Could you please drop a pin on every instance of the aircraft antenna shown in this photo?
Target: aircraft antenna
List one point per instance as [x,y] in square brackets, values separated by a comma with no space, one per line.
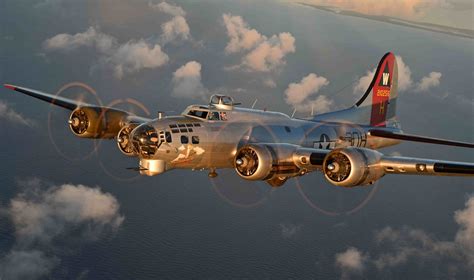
[293,114]
[255,102]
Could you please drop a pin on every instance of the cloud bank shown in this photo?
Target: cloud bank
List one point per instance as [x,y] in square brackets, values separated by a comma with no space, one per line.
[126,58]
[409,245]
[43,218]
[261,54]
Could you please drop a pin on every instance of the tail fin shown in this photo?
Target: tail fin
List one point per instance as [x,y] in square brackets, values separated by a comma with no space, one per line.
[381,96]
[377,107]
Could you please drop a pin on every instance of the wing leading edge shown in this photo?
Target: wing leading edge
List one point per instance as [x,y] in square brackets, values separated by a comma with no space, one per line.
[88,120]
[56,100]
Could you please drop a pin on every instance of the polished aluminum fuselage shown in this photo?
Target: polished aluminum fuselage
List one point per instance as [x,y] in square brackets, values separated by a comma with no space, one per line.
[219,140]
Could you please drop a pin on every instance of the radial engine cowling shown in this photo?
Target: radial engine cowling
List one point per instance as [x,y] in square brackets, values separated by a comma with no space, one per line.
[96,122]
[350,167]
[124,142]
[269,161]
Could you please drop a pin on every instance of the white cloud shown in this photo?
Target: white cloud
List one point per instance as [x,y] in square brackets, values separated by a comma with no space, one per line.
[429,82]
[10,115]
[41,216]
[263,54]
[270,54]
[408,245]
[168,8]
[90,38]
[176,28]
[133,56]
[298,95]
[126,58]
[321,104]
[44,217]
[364,82]
[350,261]
[240,35]
[465,235]
[187,81]
[404,75]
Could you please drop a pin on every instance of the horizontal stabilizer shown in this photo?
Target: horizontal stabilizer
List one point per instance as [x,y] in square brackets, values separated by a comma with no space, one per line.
[416,138]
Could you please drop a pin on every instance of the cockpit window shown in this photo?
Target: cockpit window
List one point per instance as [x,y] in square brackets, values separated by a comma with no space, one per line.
[214,116]
[169,139]
[198,113]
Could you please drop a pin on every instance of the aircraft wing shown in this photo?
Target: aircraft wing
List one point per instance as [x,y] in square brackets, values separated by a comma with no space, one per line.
[87,120]
[417,138]
[346,167]
[56,100]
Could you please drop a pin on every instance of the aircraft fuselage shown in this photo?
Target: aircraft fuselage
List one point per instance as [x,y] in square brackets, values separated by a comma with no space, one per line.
[189,141]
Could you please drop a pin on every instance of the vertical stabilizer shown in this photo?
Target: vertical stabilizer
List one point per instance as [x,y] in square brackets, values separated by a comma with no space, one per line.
[381,96]
[377,107]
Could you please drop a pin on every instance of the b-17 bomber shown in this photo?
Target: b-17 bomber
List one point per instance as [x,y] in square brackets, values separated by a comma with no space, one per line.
[265,145]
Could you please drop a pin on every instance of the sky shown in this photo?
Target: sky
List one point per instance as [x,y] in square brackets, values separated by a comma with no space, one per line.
[70,209]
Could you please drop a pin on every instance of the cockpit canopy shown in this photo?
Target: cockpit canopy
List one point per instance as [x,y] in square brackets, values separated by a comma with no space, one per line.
[204,113]
[217,110]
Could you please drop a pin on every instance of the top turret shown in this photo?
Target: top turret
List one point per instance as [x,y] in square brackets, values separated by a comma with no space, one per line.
[222,102]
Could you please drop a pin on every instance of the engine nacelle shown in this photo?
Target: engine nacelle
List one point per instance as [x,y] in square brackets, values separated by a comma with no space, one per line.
[350,167]
[273,162]
[124,142]
[96,122]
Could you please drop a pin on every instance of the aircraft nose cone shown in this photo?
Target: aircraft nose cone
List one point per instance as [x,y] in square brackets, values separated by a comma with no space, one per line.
[144,140]
[239,161]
